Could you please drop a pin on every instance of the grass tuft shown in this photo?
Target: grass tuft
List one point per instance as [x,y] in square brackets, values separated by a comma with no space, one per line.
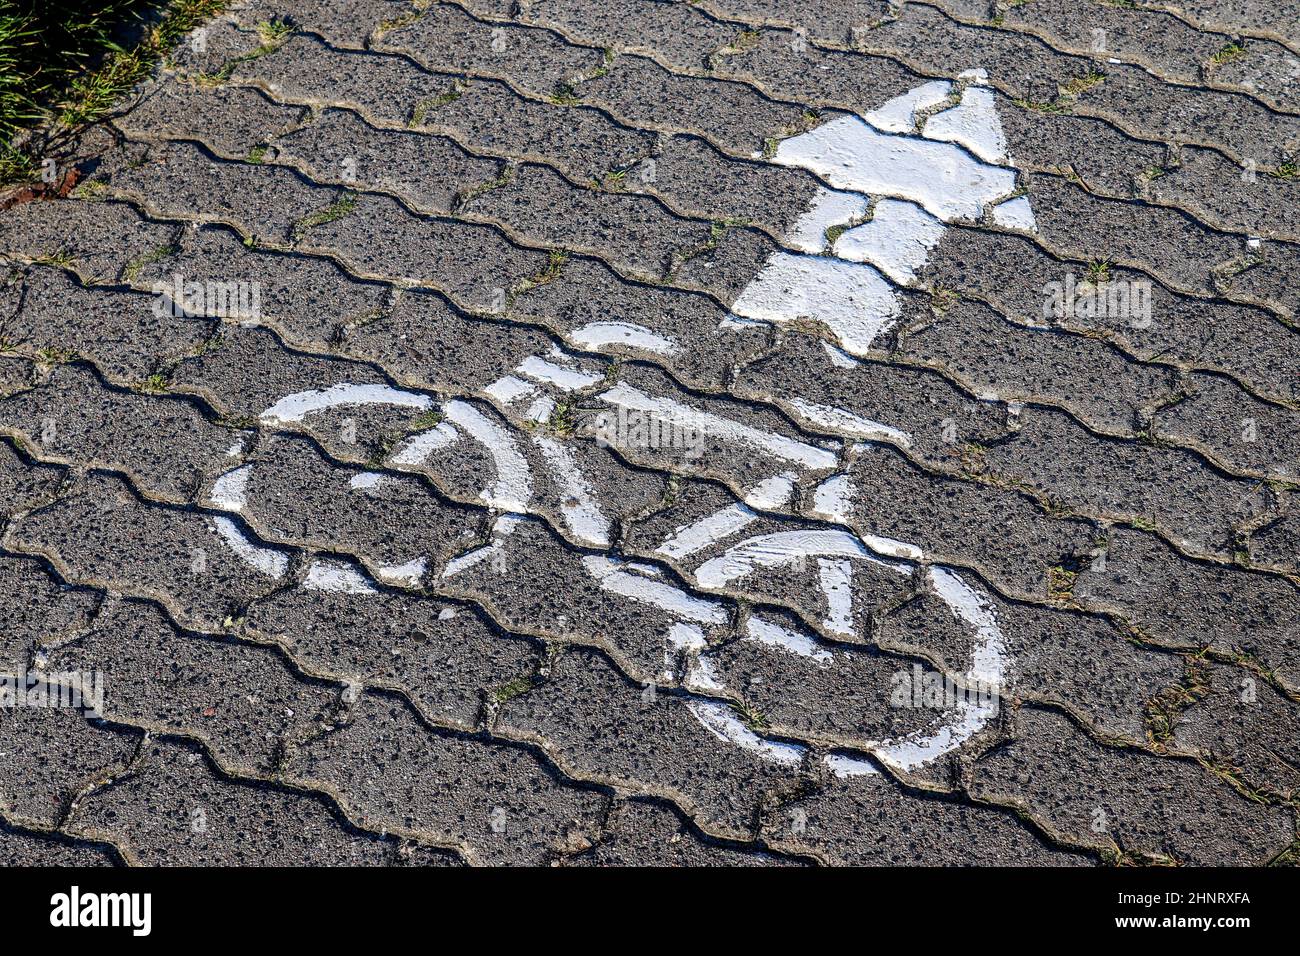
[65,64]
[334,211]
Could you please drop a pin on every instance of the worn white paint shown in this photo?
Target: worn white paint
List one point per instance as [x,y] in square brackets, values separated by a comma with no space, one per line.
[418,447]
[829,208]
[578,508]
[296,407]
[569,379]
[836,579]
[230,491]
[989,659]
[973,123]
[340,578]
[846,423]
[1015,214]
[502,528]
[772,493]
[832,500]
[513,488]
[613,577]
[899,115]
[780,548]
[599,335]
[896,240]
[267,561]
[719,720]
[853,300]
[710,529]
[774,635]
[541,410]
[846,767]
[839,358]
[850,154]
[367,480]
[667,410]
[508,389]
[407,575]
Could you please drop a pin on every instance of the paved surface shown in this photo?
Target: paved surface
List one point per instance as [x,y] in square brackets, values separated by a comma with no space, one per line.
[587,432]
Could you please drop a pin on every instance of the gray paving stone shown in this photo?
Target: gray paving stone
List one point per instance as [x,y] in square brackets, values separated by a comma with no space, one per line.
[731,445]
[232,121]
[103,534]
[581,141]
[649,833]
[1170,47]
[309,299]
[345,23]
[35,848]
[1105,158]
[1194,604]
[679,34]
[927,40]
[430,171]
[438,610]
[98,239]
[1265,274]
[306,71]
[1175,490]
[587,292]
[734,116]
[782,63]
[165,443]
[15,373]
[604,724]
[475,264]
[955,520]
[243,371]
[53,754]
[994,357]
[635,234]
[1254,200]
[1135,803]
[40,609]
[831,21]
[449,657]
[244,701]
[497,800]
[122,333]
[1237,429]
[1166,243]
[295,496]
[935,419]
[447,38]
[693,177]
[1244,723]
[869,821]
[174,809]
[532,583]
[1023,282]
[1277,544]
[24,483]
[839,694]
[427,341]
[176,180]
[1079,661]
[1230,14]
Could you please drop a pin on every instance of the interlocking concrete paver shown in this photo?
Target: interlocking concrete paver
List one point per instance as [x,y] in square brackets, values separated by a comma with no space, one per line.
[242,700]
[499,801]
[172,809]
[562,432]
[1194,604]
[1133,803]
